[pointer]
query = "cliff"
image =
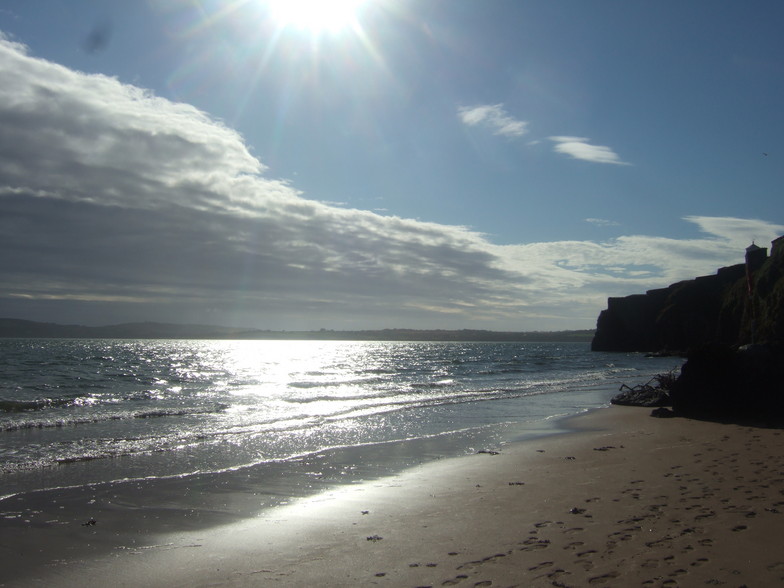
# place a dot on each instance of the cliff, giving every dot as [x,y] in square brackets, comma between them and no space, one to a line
[707,310]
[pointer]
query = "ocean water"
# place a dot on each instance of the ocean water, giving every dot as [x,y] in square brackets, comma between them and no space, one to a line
[85,412]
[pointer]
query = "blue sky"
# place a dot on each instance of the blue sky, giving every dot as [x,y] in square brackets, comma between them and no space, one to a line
[434,164]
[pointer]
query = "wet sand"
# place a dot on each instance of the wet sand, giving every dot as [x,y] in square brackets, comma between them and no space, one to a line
[624,500]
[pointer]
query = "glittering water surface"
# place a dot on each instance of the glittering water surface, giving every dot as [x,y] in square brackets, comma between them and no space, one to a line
[84,411]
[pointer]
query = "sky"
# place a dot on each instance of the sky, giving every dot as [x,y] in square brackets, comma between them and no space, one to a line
[433,164]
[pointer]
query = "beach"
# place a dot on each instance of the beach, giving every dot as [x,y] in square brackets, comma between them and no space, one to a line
[622,499]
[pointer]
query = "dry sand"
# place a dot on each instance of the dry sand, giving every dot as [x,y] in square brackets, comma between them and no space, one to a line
[625,500]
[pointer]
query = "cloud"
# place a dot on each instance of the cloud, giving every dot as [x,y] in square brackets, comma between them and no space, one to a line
[106,188]
[737,231]
[494,117]
[579,148]
[119,205]
[602,222]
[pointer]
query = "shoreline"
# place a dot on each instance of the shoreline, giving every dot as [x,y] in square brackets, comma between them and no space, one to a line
[56,527]
[619,499]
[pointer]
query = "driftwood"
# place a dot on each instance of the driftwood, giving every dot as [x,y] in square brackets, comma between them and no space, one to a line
[656,392]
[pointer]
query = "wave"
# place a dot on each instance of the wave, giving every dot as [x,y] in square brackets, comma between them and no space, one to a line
[168,412]
[335,383]
[292,458]
[76,420]
[32,405]
[439,384]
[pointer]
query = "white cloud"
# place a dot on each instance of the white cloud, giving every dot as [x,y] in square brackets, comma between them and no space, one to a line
[602,222]
[631,263]
[738,231]
[579,148]
[494,117]
[119,205]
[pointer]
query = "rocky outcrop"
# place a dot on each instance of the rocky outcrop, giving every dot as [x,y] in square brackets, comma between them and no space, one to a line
[713,309]
[720,382]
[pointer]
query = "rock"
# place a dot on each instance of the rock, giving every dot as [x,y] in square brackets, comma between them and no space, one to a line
[732,384]
[662,413]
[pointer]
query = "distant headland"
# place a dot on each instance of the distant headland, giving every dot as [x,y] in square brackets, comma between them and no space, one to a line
[149,330]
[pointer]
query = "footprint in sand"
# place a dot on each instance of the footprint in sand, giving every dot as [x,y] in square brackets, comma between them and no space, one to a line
[533,542]
[739,528]
[555,574]
[539,566]
[478,562]
[604,578]
[586,565]
[777,567]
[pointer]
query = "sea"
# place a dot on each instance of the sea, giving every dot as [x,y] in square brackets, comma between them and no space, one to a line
[84,413]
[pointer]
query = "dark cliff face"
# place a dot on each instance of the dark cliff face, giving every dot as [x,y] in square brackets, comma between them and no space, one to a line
[707,310]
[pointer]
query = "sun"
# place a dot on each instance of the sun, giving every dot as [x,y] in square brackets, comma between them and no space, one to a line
[315,16]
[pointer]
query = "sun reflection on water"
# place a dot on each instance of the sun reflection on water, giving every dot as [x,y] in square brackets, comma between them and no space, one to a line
[151,408]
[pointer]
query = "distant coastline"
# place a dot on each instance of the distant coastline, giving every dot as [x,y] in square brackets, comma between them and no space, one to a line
[18,328]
